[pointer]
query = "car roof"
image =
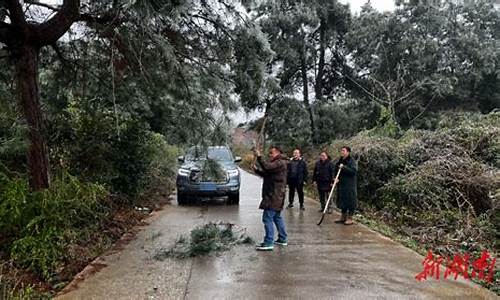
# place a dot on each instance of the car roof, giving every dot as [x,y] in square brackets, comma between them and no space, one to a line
[210,147]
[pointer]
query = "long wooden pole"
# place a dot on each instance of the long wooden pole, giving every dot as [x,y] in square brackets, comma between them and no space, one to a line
[329,197]
[261,137]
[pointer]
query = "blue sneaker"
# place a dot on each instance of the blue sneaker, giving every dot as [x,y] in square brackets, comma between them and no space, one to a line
[264,247]
[281,242]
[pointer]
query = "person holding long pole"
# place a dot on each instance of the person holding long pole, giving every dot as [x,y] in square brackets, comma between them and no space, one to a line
[347,185]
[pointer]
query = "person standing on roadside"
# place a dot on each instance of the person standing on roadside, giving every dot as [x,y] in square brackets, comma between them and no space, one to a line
[274,173]
[296,176]
[347,185]
[322,178]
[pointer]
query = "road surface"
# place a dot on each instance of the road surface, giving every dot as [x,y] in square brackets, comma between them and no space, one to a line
[331,261]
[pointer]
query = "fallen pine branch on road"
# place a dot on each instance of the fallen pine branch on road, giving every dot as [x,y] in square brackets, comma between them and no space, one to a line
[206,239]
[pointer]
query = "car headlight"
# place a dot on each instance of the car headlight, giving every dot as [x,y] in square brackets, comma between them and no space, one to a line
[183,172]
[233,173]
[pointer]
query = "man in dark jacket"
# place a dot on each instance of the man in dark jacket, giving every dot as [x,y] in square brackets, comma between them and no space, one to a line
[296,176]
[274,172]
[322,177]
[347,185]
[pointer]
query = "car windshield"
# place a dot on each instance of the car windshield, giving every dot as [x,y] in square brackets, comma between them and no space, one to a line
[215,153]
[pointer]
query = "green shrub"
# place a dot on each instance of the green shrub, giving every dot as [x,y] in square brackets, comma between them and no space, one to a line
[378,161]
[40,224]
[13,137]
[386,125]
[418,146]
[441,184]
[14,204]
[129,159]
[478,134]
[246,155]
[440,188]
[126,156]
[160,172]
[12,286]
[9,291]
[39,251]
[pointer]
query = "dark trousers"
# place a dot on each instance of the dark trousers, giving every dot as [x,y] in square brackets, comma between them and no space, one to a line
[324,191]
[347,204]
[300,191]
[323,196]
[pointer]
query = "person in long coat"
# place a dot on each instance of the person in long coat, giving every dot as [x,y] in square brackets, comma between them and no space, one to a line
[274,173]
[322,177]
[346,186]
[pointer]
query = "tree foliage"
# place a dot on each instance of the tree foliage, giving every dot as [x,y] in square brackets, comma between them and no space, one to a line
[423,58]
[110,91]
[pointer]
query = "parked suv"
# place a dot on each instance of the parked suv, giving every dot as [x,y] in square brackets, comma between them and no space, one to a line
[191,181]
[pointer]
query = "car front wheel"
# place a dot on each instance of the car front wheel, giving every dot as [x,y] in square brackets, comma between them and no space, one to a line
[234,198]
[182,199]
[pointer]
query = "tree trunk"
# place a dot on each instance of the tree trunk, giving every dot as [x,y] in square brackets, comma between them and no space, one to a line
[24,38]
[318,86]
[305,93]
[29,97]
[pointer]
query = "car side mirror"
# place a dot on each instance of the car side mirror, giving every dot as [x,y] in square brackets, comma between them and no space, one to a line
[237,159]
[180,158]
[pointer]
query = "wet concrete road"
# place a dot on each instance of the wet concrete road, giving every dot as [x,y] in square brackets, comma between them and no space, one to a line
[330,261]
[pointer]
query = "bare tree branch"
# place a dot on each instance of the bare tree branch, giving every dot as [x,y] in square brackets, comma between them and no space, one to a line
[384,89]
[106,19]
[215,23]
[407,95]
[48,6]
[49,32]
[424,110]
[5,33]
[16,13]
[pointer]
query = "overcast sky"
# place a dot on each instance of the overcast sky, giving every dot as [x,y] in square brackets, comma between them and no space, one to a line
[381,5]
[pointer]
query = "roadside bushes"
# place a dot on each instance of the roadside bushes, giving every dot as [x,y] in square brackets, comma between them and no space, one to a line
[378,161]
[161,168]
[478,134]
[246,155]
[419,146]
[53,232]
[35,227]
[46,237]
[125,156]
[441,184]
[13,146]
[439,187]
